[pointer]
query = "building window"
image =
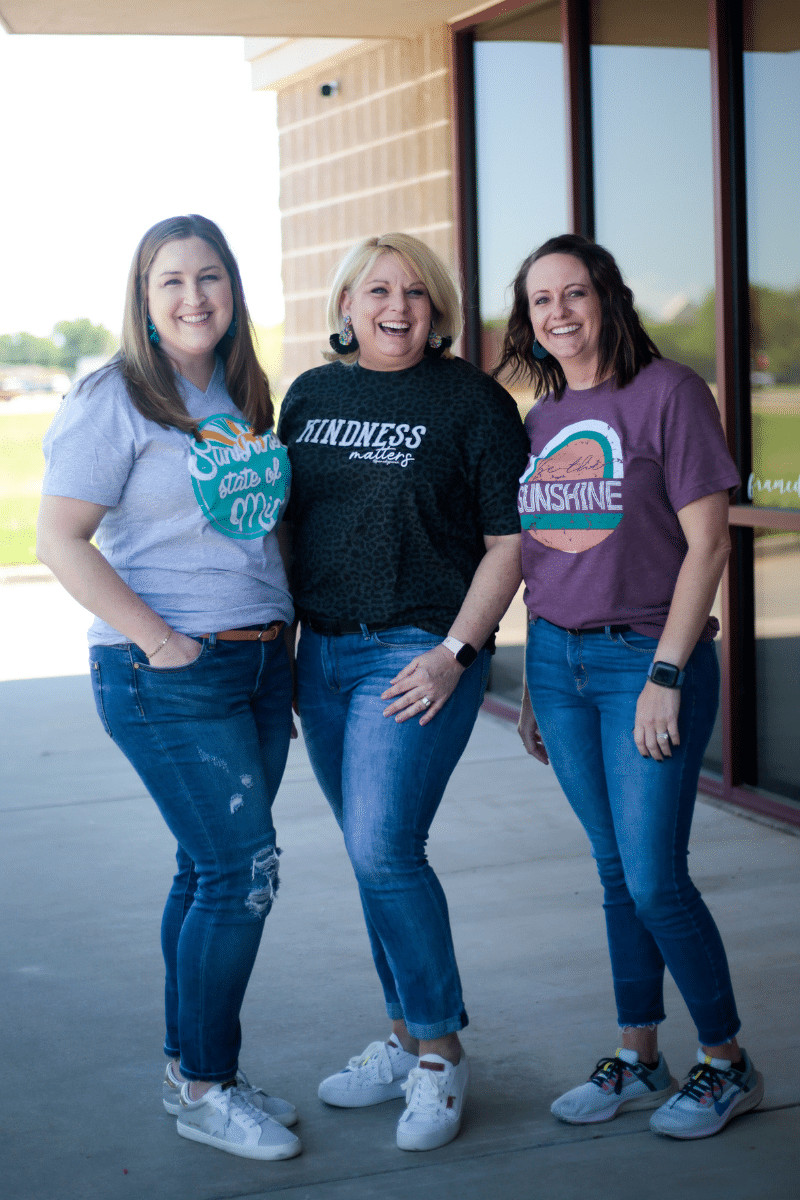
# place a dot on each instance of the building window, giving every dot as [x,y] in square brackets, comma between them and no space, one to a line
[651,116]
[520,153]
[772,148]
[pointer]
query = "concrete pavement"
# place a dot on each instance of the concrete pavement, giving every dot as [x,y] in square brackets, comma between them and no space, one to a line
[85,863]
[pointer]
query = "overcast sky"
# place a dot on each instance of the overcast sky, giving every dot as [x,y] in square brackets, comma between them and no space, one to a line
[103,136]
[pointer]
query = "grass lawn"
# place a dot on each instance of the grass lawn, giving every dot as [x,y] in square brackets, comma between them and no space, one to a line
[21,469]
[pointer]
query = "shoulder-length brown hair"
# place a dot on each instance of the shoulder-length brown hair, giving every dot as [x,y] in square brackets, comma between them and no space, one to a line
[148,372]
[624,345]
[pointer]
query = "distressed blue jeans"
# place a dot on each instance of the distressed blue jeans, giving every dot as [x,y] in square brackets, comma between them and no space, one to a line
[637,813]
[209,741]
[384,782]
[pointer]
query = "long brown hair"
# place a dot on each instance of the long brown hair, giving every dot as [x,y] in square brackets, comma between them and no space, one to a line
[624,345]
[148,373]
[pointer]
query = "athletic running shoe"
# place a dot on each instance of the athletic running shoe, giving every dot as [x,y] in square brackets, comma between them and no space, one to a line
[713,1094]
[435,1092]
[225,1118]
[376,1075]
[280,1110]
[617,1083]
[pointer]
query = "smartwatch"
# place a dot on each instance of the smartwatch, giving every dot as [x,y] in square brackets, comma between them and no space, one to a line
[463,652]
[665,674]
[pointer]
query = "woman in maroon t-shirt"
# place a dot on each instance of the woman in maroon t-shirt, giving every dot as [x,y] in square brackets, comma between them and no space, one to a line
[624,508]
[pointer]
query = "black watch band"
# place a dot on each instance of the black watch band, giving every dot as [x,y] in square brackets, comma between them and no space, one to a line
[665,674]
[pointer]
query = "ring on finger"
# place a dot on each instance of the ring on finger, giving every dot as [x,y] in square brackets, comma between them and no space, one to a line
[663,737]
[425,701]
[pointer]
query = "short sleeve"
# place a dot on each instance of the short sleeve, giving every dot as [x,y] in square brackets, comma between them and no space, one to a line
[697,462]
[90,447]
[502,448]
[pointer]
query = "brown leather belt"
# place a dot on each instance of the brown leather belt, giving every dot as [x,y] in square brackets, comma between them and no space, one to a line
[251,633]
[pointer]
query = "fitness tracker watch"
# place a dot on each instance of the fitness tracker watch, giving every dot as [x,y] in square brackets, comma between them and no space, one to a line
[463,652]
[665,674]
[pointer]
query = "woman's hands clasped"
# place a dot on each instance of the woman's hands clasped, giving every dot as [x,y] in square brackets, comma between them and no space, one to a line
[424,686]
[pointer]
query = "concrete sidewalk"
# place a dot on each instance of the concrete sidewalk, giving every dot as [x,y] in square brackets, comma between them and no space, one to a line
[85,863]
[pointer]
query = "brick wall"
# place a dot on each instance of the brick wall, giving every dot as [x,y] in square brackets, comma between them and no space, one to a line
[371,159]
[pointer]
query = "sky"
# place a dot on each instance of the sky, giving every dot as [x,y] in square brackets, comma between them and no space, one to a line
[103,136]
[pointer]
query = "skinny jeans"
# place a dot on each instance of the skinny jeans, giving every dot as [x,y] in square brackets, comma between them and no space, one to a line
[637,813]
[209,740]
[384,781]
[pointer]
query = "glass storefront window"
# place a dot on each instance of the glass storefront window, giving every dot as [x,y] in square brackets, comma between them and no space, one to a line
[651,113]
[772,121]
[520,151]
[777,604]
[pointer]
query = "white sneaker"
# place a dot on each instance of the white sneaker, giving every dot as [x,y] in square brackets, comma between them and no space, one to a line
[376,1075]
[225,1118]
[435,1094]
[280,1110]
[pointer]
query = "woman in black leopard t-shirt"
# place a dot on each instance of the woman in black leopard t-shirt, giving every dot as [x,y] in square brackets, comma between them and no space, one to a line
[405,465]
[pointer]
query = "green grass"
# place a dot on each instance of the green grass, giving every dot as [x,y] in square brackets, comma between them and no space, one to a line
[776,455]
[21,469]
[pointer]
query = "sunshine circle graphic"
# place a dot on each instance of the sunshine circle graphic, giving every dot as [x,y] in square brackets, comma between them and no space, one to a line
[570,497]
[240,478]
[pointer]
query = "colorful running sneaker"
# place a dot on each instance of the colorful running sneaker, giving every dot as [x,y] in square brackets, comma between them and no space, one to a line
[713,1094]
[618,1083]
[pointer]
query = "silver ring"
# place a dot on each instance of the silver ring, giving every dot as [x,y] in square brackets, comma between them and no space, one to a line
[663,737]
[425,702]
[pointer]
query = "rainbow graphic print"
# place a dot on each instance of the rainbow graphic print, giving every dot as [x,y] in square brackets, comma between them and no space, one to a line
[570,497]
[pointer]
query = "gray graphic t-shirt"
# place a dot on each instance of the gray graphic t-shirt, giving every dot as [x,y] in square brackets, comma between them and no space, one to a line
[189,523]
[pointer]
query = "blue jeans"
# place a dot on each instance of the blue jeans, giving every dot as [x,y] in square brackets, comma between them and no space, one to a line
[637,813]
[209,741]
[384,782]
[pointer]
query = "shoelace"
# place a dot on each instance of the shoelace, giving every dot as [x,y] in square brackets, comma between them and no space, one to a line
[704,1080]
[610,1070]
[376,1053]
[425,1088]
[250,1116]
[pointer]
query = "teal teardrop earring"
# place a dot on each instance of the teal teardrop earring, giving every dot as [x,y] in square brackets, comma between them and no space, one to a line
[152,332]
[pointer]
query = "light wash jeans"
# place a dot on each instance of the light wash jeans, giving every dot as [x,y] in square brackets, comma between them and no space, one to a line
[384,782]
[637,813]
[209,741]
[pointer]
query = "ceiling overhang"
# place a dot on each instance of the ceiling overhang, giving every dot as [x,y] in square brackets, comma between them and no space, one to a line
[238,18]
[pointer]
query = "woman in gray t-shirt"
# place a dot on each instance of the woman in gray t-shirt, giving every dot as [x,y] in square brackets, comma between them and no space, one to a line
[167,461]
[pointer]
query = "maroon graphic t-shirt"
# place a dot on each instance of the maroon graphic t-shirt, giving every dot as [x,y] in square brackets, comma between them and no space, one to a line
[608,472]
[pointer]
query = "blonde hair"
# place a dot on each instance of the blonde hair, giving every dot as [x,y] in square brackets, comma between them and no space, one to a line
[444,292]
[148,373]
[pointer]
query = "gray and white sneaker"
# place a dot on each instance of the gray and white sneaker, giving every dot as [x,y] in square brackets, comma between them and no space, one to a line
[280,1110]
[225,1118]
[376,1075]
[616,1084]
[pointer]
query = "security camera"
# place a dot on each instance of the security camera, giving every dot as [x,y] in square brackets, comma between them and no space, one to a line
[329,89]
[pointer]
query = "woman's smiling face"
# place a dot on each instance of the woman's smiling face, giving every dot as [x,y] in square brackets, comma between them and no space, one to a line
[391,313]
[566,315]
[190,302]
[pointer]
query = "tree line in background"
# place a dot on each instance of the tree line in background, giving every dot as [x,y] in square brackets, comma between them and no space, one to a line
[69,342]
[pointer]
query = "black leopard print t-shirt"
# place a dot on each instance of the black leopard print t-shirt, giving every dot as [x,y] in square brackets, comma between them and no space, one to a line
[396,477]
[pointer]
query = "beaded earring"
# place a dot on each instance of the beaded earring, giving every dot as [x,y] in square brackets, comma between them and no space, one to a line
[436,344]
[538,351]
[345,342]
[152,332]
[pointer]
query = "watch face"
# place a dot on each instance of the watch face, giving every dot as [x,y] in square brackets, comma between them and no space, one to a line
[665,674]
[466,655]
